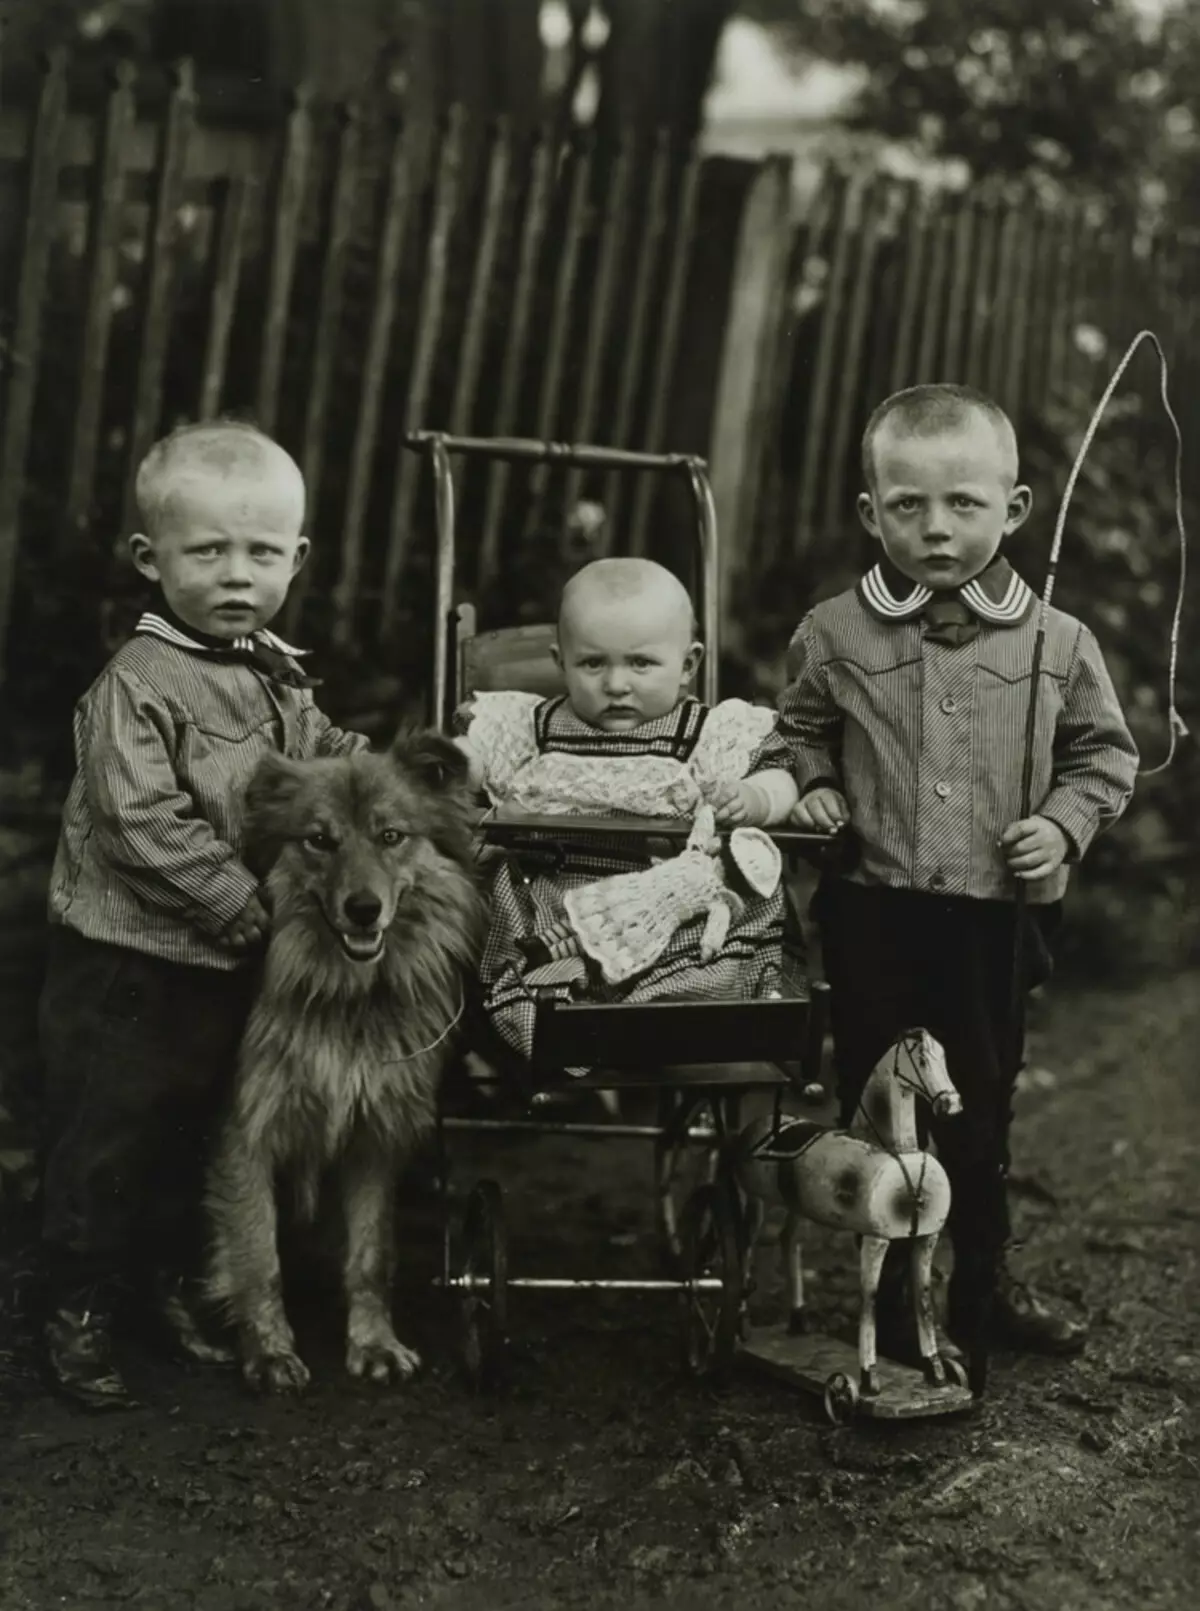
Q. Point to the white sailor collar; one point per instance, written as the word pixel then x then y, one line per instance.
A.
pixel 152 624
pixel 997 595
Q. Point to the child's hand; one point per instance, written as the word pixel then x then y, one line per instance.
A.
pixel 1034 848
pixel 821 811
pixel 737 804
pixel 249 928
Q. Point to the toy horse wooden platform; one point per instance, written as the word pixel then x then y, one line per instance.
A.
pixel 876 1180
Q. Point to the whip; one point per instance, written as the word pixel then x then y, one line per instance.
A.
pixel 978 1361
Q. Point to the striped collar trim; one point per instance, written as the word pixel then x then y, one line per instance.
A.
pixel 998 595
pixel 154 626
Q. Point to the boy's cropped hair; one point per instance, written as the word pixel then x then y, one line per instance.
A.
pixel 934 410
pixel 219 447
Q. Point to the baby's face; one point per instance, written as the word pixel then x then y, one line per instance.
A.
pixel 942 504
pixel 625 661
pixel 226 550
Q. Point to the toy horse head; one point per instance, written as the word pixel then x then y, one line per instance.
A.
pixel 919 1063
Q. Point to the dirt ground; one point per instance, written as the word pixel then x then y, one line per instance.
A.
pixel 603 1478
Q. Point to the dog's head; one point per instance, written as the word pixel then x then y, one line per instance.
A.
pixel 353 838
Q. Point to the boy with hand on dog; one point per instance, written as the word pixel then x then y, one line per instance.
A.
pixel 625 737
pixel 906 719
pixel 154 916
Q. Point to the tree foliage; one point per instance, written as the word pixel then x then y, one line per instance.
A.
pixel 1092 91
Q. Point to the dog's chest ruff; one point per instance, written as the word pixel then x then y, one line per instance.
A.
pixel 318 1077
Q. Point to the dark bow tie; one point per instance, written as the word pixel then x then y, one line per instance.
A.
pixel 273 663
pixel 948 620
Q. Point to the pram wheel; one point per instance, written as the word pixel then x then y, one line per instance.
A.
pixel 484 1289
pixel 712 1273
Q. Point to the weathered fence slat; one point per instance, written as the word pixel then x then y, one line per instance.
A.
pixel 741 416
pixel 103 247
pixel 679 260
pixel 533 228
pixel 929 352
pixel 431 308
pixel 953 363
pixel 383 312
pixel 845 240
pixel 549 392
pixel 470 355
pixel 983 292
pixel 285 237
pixel 799 305
pixel 233 215
pixel 871 215
pixel 1037 350
pixel 338 235
pixel 1004 309
pixel 329 301
pixel 613 228
pixel 654 221
pixel 916 245
pixel 1062 281
pixel 1013 338
pixel 27 325
pixel 156 318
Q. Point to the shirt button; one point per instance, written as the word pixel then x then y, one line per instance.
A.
pixel 942 790
pixel 949 704
pixel 937 881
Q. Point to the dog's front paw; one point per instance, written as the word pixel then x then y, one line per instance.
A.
pixel 381 1360
pixel 278 1371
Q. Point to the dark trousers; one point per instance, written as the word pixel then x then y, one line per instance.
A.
pixel 138 1055
pixel 897 960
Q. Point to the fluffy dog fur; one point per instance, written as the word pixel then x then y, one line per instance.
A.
pixel 376 918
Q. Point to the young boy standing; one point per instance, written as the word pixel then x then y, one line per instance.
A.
pixel 154 916
pixel 906 715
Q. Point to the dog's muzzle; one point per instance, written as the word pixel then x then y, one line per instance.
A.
pixel 364 941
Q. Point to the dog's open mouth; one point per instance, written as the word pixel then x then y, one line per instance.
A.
pixel 362 946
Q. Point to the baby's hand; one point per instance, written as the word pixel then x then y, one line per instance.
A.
pixel 1034 847
pixel 821 811
pixel 249 928
pixel 737 804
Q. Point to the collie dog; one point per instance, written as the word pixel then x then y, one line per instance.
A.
pixel 376 920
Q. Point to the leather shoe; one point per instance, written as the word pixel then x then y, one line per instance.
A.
pixel 79 1352
pixel 1021 1320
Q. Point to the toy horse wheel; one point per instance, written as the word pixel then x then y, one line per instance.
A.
pixel 485 1306
pixel 711 1317
pixel 841 1398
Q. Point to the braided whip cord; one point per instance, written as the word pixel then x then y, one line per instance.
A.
pixel 978 1360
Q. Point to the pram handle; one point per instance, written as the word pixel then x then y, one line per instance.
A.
pixel 439 447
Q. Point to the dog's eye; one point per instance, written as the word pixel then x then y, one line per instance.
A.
pixel 390 836
pixel 321 841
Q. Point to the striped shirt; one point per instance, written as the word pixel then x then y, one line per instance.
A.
pixel 925 739
pixel 166 739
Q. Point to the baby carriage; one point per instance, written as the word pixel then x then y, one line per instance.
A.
pixel 700 1058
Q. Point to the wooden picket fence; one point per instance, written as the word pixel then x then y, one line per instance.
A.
pixel 889 286
pixel 342 282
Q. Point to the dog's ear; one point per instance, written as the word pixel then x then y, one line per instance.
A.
pixel 432 757
pixel 270 794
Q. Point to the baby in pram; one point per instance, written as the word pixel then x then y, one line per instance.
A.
pixel 608 919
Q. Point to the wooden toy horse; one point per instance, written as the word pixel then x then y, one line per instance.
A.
pixel 873 1178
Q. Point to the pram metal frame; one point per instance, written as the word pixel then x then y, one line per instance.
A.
pixel 704 1038
pixel 441 448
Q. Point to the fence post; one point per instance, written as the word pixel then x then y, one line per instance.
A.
pixel 741 409
pixel 16 421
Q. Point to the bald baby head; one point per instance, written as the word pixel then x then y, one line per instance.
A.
pixel 626 642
